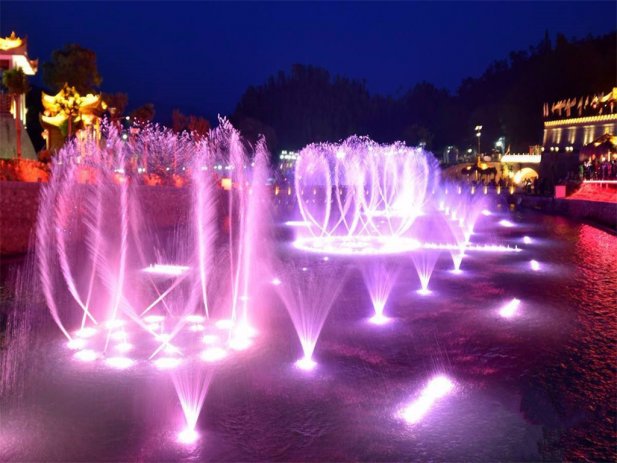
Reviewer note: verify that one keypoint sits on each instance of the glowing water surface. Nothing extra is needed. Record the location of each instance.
(536, 386)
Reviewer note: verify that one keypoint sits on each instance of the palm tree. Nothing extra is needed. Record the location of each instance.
(16, 83)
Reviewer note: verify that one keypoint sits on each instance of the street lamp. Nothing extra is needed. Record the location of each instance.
(501, 144)
(478, 134)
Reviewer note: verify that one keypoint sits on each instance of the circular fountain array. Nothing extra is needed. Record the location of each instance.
(359, 197)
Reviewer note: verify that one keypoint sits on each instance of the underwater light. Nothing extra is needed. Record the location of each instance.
(436, 388)
(188, 436)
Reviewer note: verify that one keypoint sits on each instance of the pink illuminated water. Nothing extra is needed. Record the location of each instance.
(186, 327)
(534, 387)
(141, 297)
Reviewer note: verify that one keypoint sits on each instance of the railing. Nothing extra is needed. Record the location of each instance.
(522, 158)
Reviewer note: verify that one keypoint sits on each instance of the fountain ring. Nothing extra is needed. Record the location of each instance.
(357, 245)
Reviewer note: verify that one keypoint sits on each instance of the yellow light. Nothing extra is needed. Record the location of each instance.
(10, 42)
(226, 183)
(521, 158)
(582, 120)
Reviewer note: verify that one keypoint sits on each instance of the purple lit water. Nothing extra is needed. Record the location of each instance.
(538, 386)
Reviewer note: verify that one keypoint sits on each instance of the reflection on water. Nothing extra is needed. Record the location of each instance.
(538, 386)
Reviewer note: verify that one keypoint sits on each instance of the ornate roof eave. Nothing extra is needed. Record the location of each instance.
(56, 120)
(34, 64)
(13, 44)
(90, 103)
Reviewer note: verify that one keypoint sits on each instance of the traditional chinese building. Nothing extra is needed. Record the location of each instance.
(14, 54)
(573, 123)
(68, 113)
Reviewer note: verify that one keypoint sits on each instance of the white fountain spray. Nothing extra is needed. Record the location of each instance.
(379, 278)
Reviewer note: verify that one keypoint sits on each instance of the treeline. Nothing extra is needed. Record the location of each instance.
(308, 104)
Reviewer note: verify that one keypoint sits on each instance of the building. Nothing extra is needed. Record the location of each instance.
(68, 113)
(573, 123)
(14, 54)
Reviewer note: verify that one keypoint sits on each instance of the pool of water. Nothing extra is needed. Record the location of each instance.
(538, 386)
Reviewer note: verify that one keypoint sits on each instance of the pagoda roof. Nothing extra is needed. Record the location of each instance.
(13, 45)
(17, 48)
(58, 107)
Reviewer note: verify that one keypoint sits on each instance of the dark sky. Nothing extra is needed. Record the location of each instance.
(200, 57)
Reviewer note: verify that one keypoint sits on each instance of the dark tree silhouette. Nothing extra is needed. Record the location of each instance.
(144, 114)
(73, 65)
(308, 104)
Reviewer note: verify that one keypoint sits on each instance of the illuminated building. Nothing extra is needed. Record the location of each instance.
(14, 54)
(573, 123)
(68, 113)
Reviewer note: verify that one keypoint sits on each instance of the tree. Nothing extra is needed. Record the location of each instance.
(16, 83)
(417, 135)
(116, 102)
(306, 105)
(252, 129)
(144, 114)
(73, 65)
(179, 121)
(197, 126)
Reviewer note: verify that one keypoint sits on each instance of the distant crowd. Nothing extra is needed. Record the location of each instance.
(598, 169)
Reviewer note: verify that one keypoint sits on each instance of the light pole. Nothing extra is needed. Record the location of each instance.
(478, 134)
(501, 144)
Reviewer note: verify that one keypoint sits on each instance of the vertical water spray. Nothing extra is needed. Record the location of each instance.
(424, 263)
(191, 382)
(123, 245)
(46, 245)
(204, 218)
(308, 290)
(426, 230)
(93, 239)
(379, 278)
(63, 212)
(253, 234)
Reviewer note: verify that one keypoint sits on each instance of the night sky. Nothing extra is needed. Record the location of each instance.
(200, 57)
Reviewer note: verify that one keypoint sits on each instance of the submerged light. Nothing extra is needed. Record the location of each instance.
(119, 363)
(306, 363)
(188, 436)
(510, 309)
(379, 319)
(213, 354)
(436, 388)
(86, 355)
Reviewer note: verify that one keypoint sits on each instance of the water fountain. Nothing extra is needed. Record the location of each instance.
(124, 293)
(361, 198)
(379, 278)
(136, 293)
(309, 290)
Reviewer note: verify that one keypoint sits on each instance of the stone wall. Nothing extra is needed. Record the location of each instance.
(596, 212)
(19, 203)
(163, 206)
